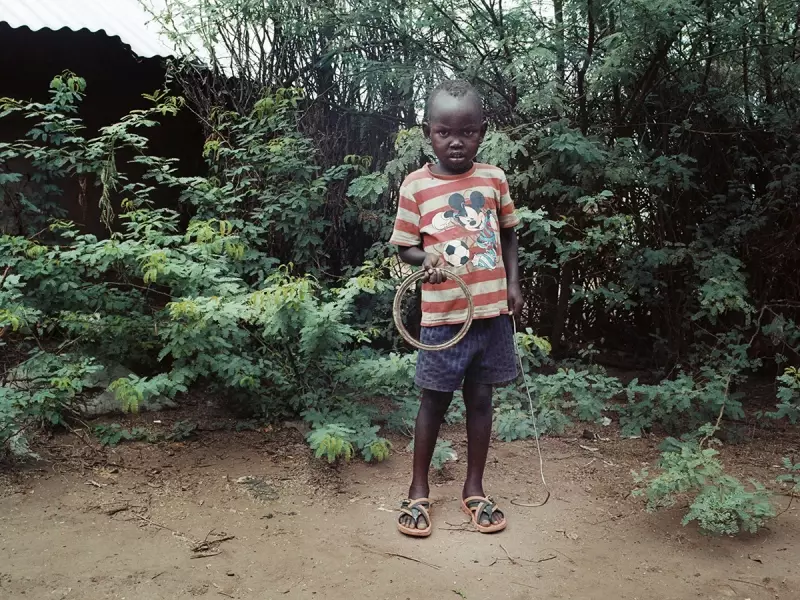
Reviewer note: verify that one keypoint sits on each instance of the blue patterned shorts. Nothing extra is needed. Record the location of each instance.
(485, 355)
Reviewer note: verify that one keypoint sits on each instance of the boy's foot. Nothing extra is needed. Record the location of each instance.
(486, 517)
(415, 518)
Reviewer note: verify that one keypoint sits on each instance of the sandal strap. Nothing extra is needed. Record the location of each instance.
(485, 506)
(415, 508)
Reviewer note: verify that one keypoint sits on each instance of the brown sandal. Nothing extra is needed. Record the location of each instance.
(477, 507)
(421, 507)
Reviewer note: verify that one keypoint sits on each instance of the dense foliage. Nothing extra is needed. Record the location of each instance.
(653, 149)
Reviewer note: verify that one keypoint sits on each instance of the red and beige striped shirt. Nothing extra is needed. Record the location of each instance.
(458, 217)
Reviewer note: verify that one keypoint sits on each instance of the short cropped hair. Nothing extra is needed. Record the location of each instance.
(457, 88)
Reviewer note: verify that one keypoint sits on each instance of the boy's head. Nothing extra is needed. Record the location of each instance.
(454, 124)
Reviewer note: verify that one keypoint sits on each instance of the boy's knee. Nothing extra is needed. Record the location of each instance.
(437, 402)
(478, 400)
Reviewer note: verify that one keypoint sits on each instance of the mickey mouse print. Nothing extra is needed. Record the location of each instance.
(478, 246)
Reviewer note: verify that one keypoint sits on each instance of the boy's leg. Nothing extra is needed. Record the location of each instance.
(431, 414)
(495, 365)
(478, 401)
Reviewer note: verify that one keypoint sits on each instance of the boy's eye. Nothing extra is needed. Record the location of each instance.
(469, 133)
(443, 133)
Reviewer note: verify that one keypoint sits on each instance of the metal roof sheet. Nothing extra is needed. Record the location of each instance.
(125, 19)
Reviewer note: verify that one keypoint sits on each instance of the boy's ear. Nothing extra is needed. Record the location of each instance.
(426, 129)
(484, 126)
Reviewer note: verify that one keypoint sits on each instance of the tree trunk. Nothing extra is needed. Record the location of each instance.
(612, 25)
(562, 309)
(583, 111)
(746, 77)
(766, 71)
(561, 62)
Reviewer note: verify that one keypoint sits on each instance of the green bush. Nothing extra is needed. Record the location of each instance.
(792, 477)
(113, 434)
(788, 396)
(720, 503)
(234, 297)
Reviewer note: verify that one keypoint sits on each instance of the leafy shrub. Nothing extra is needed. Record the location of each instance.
(721, 503)
(338, 431)
(788, 396)
(113, 434)
(332, 441)
(44, 389)
(376, 448)
(557, 398)
(207, 300)
(728, 507)
(512, 420)
(676, 403)
(792, 477)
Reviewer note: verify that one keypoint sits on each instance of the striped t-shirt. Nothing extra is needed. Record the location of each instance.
(458, 217)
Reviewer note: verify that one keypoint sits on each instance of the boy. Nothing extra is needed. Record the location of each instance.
(458, 214)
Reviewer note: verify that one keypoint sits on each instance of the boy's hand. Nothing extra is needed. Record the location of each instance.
(433, 268)
(515, 301)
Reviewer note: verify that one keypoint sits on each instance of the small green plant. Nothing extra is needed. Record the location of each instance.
(403, 417)
(331, 441)
(792, 477)
(788, 396)
(727, 507)
(181, 430)
(109, 435)
(721, 503)
(377, 450)
(372, 446)
(512, 421)
(351, 423)
(127, 394)
(43, 390)
(114, 434)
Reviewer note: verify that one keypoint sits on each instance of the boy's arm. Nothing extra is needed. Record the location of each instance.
(508, 221)
(510, 249)
(408, 238)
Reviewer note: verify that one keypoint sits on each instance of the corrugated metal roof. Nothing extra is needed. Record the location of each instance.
(126, 19)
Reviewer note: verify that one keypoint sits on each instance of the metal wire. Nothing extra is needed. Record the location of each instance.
(397, 312)
(533, 420)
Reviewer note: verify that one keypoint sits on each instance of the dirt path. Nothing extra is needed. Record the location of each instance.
(81, 529)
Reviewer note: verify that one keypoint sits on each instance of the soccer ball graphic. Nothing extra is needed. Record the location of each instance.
(456, 253)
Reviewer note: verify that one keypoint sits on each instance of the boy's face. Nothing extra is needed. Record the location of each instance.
(455, 128)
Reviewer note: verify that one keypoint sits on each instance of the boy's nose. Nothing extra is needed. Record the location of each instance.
(456, 143)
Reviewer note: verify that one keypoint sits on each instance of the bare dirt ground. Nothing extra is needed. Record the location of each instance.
(252, 515)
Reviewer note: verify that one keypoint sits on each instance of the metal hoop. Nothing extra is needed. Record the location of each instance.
(397, 312)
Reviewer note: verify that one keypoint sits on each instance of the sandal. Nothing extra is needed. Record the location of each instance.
(415, 509)
(477, 507)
